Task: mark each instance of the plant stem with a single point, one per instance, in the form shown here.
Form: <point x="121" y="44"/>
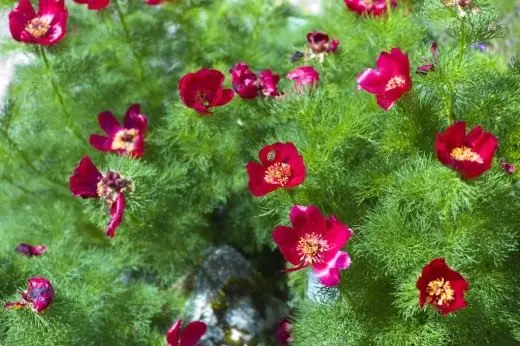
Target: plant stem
<point x="129" y="38"/>
<point x="389" y="8"/>
<point x="462" y="39"/>
<point x="71" y="128"/>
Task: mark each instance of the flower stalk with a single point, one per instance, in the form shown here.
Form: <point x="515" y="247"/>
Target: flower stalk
<point x="138" y="59"/>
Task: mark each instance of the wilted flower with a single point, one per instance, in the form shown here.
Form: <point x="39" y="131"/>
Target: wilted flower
<point x="46" y="28"/>
<point x="391" y="79"/>
<point x="314" y="241"/>
<point x="470" y="154"/>
<point x="509" y="168"/>
<point x="203" y="90"/>
<point x="281" y="166"/>
<point x="320" y="45"/>
<point x="441" y="287"/>
<point x="30" y="250"/>
<point x="424" y="69"/>
<point x="125" y="140"/>
<point x="38" y="295"/>
<point x="188" y="336"/>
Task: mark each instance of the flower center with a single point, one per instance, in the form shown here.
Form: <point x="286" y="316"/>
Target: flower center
<point x="38" y="26"/>
<point x="466" y="154"/>
<point x="278" y="173"/>
<point x="440" y="292"/>
<point x="111" y="184"/>
<point x="201" y="96"/>
<point x="395" y="82"/>
<point x="369" y="2"/>
<point x="311" y="248"/>
<point x="124" y="140"/>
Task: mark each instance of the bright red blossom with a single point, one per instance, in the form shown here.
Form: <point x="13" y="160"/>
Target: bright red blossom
<point x="247" y="84"/>
<point x="269" y="83"/>
<point x="304" y="75"/>
<point x="125" y="140"/>
<point x="391" y="79"/>
<point x="316" y="241"/>
<point x="38" y="295"/>
<point x="368" y="7"/>
<point x="189" y="336"/>
<point x="470" y="154"/>
<point x="281" y="166"/>
<point x="46" y="28"/>
<point x="87" y="182"/>
<point x="94" y="4"/>
<point x="30" y="250"/>
<point x="203" y="90"/>
<point x="441" y="287"/>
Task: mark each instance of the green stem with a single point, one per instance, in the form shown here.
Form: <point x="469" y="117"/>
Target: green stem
<point x="71" y="128"/>
<point x="389" y="8"/>
<point x="462" y="39"/>
<point x="129" y="38"/>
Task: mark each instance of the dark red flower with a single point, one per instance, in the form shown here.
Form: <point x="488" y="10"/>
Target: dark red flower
<point x="391" y="79"/>
<point x="470" y="154"/>
<point x="283" y="332"/>
<point x="244" y="81"/>
<point x="188" y="336"/>
<point x="94" y="4"/>
<point x="47" y="27"/>
<point x="509" y="168"/>
<point x="281" y="166"/>
<point x="441" y="287"/>
<point x="320" y="43"/>
<point x="38" y="295"/>
<point x="30" y="250"/>
<point x="127" y="139"/>
<point x="316" y="241"/>
<point x="203" y="89"/>
<point x="154" y="2"/>
<point x="304" y="75"/>
<point x="269" y="83"/>
<point x="368" y="7"/>
<point x="424" y="69"/>
<point x="87" y="182"/>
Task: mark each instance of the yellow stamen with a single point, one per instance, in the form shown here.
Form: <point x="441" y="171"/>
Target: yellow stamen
<point x="395" y="82"/>
<point x="278" y="173"/>
<point x="440" y="292"/>
<point x="311" y="248"/>
<point x="125" y="140"/>
<point x="39" y="26"/>
<point x="466" y="154"/>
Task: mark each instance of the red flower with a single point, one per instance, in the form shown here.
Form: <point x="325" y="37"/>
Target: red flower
<point x="368" y="7"/>
<point x="316" y="241"/>
<point x="470" y="154"/>
<point x="281" y="166"/>
<point x="269" y="83"/>
<point x="441" y="287"/>
<point x="38" y="295"/>
<point x="203" y="89"/>
<point x="189" y="336"/>
<point x="30" y="250"/>
<point x="304" y="75"/>
<point x="509" y="168"/>
<point x="390" y="81"/>
<point x="244" y="81"/>
<point x="87" y="182"/>
<point x="94" y="4"/>
<point x="283" y="333"/>
<point x="424" y="69"/>
<point x="128" y="139"/>
<point x="154" y="2"/>
<point x="321" y="43"/>
<point x="46" y="28"/>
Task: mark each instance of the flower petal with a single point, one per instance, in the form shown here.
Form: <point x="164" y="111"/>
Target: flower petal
<point x="287" y="240"/>
<point x="173" y="335"/>
<point x="192" y="333"/>
<point x="134" y="119"/>
<point x="116" y="215"/>
<point x="83" y="181"/>
<point x="109" y="123"/>
<point x="100" y="143"/>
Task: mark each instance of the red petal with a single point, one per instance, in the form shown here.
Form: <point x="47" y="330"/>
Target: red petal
<point x="116" y="215"/>
<point x="257" y="184"/>
<point x="287" y="240"/>
<point x="109" y="123"/>
<point x="100" y="143"/>
<point x="51" y="7"/>
<point x="298" y="171"/>
<point x="135" y="120"/>
<point x="372" y="81"/>
<point x="83" y="181"/>
<point x="174" y="334"/>
<point x="192" y="333"/>
<point x="337" y="234"/>
<point x="225" y="97"/>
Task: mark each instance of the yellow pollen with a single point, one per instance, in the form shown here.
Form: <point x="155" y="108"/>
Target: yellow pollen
<point x="311" y="248"/>
<point x="278" y="173"/>
<point x="125" y="140"/>
<point x="39" y="26"/>
<point x="466" y="154"/>
<point x="395" y="82"/>
<point x="368" y="2"/>
<point x="440" y="292"/>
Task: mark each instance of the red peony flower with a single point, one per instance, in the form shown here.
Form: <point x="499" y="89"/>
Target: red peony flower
<point x="470" y="154"/>
<point x="203" y="89"/>
<point x="321" y="43"/>
<point x="269" y="83"/>
<point x="127" y="139"/>
<point x="46" y="28"/>
<point x="94" y="4"/>
<point x="38" y="296"/>
<point x="30" y="250"/>
<point x="87" y="182"/>
<point x="316" y="241"/>
<point x="441" y="287"/>
<point x="368" y="7"/>
<point x="281" y="166"/>
<point x="244" y="81"/>
<point x="304" y="75"/>
<point x="283" y="333"/>
<point x="424" y="69"/>
<point x="189" y="336"/>
<point x="390" y="81"/>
